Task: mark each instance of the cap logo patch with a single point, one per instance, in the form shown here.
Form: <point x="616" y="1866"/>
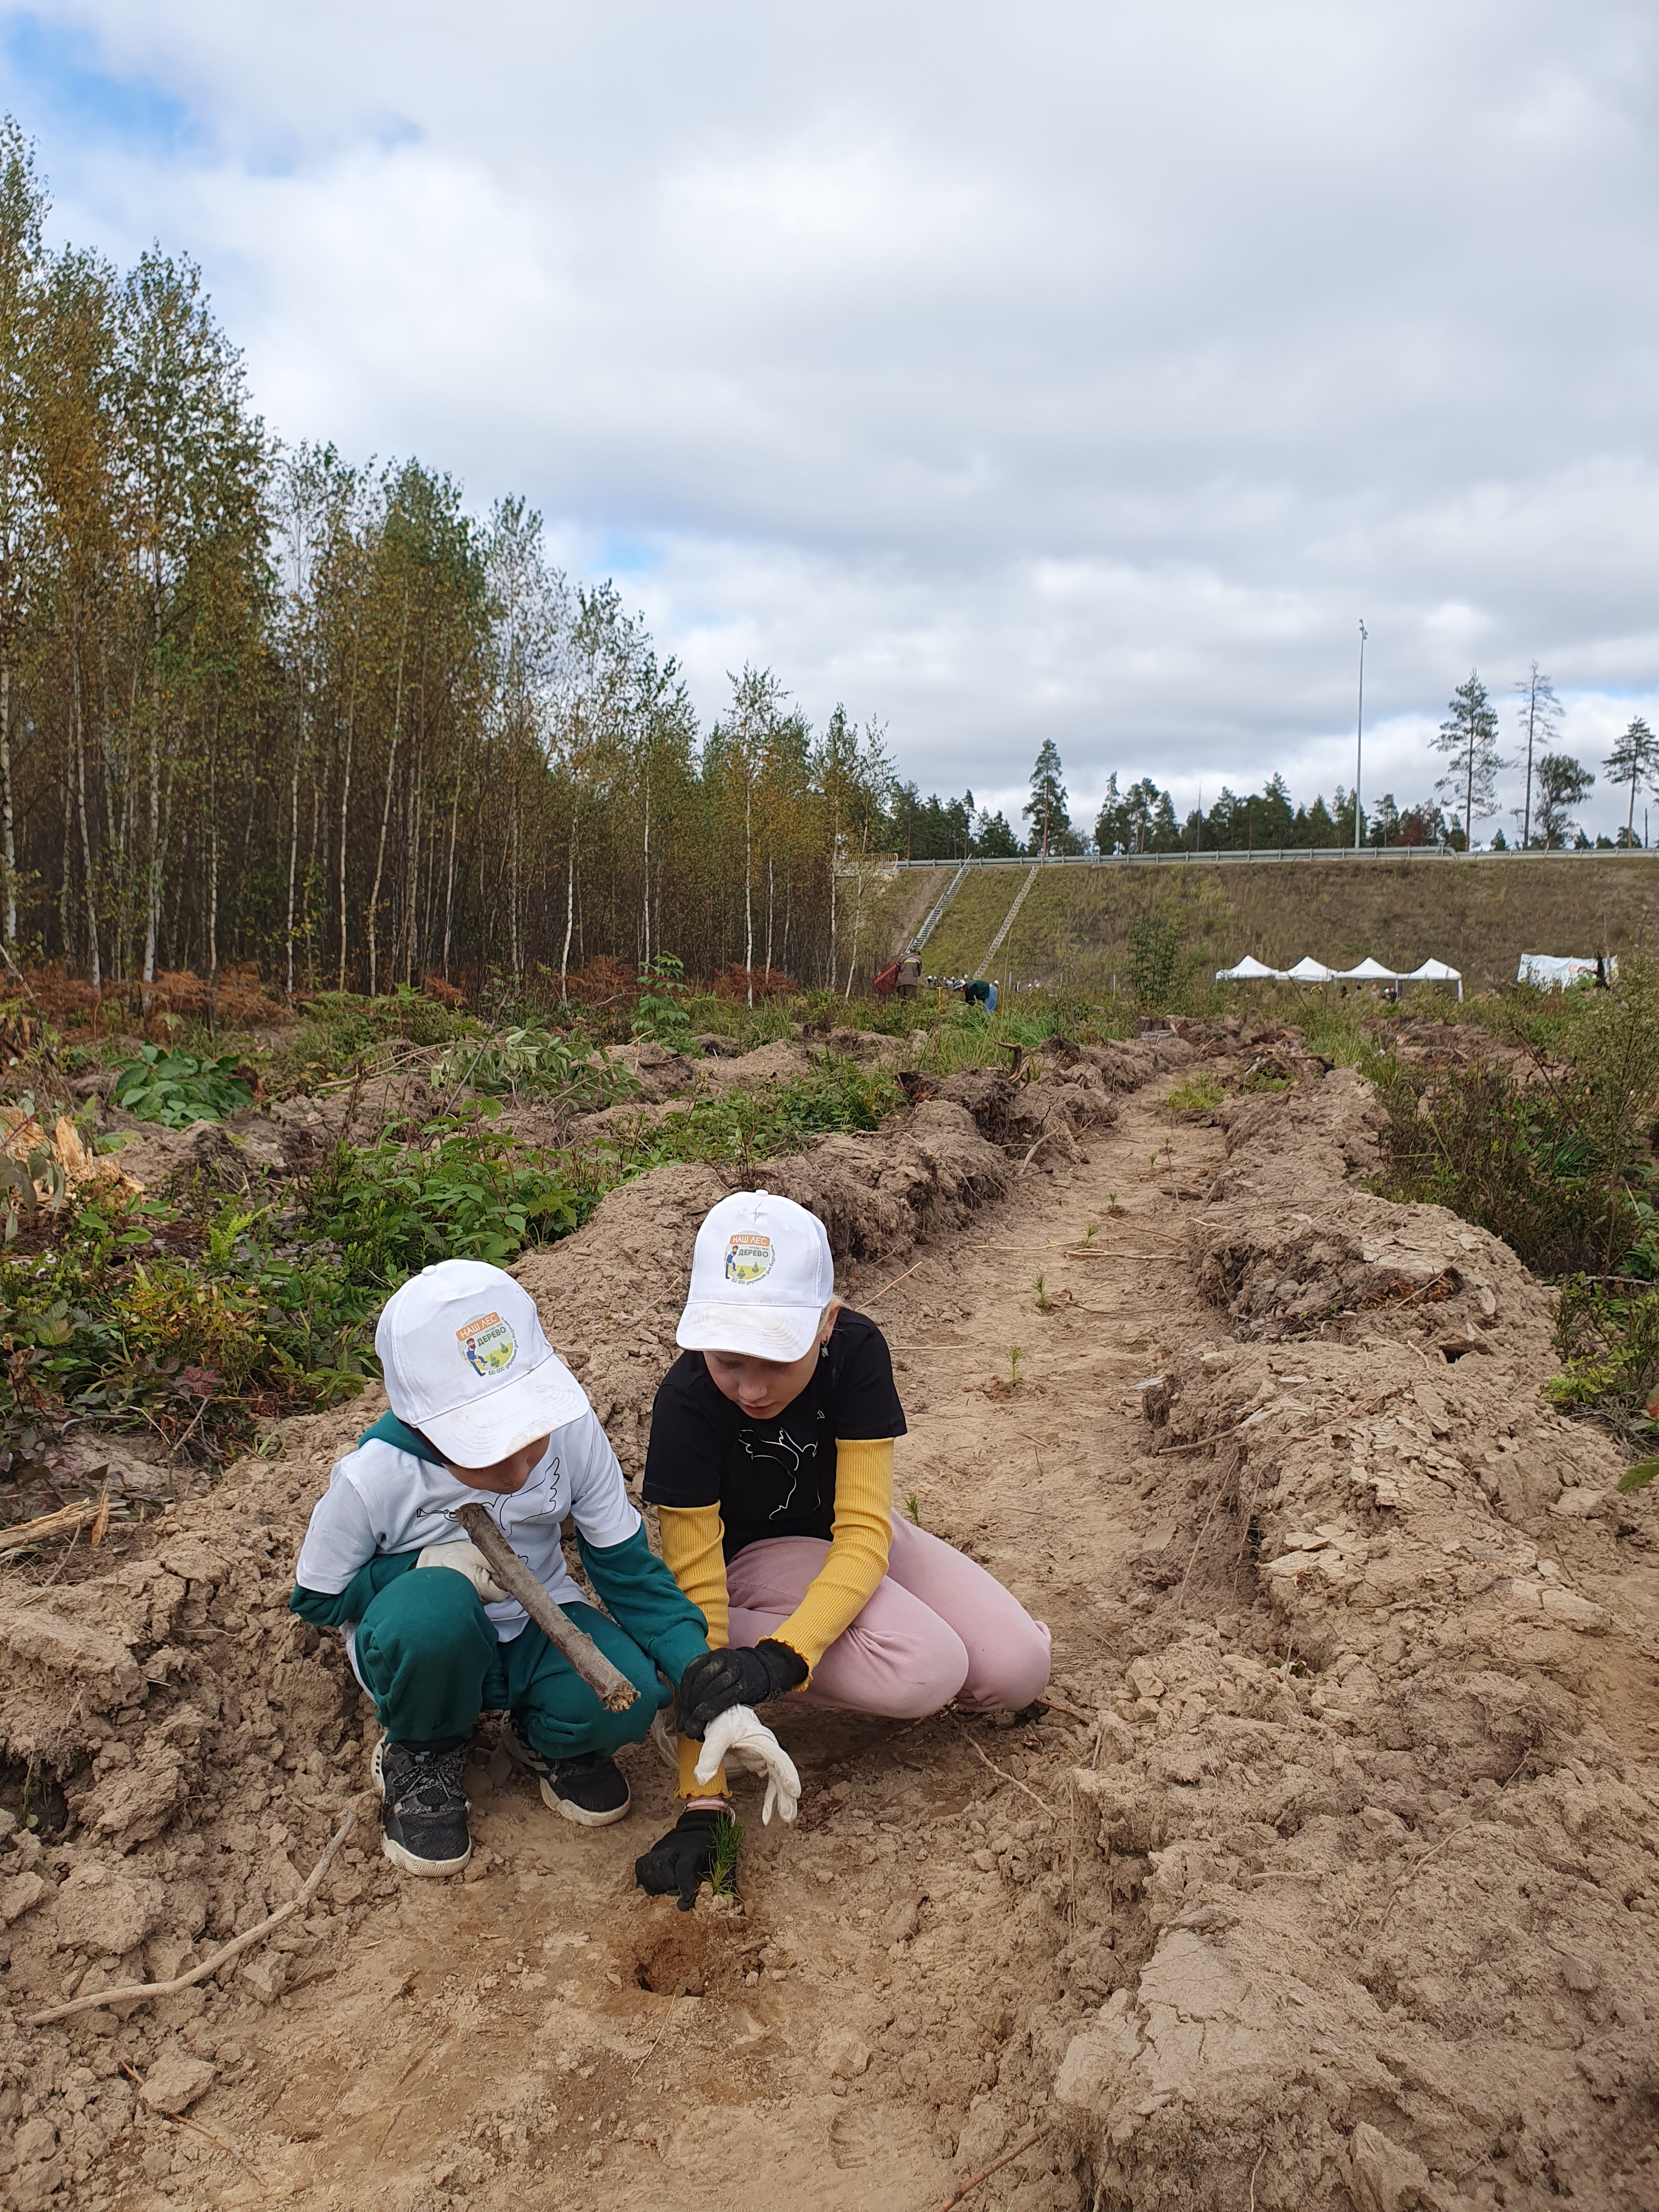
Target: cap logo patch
<point x="488" y="1343"/>
<point x="748" y="1257"/>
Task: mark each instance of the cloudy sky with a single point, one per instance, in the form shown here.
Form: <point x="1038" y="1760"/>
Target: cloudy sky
<point x="1082" y="371"/>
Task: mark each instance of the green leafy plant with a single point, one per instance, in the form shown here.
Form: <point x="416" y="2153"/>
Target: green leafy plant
<point x="538" y="1063"/>
<point x="1044" y="1302"/>
<point x="175" y="1088"/>
<point x="913" y="1509"/>
<point x="661" y="1016"/>
<point x="1016" y="1355"/>
<point x="393" y="1209"/>
<point x="1638" y="1477"/>
<point x="1199" y="1094"/>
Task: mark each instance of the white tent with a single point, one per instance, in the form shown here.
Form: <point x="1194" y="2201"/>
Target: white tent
<point x="1552" y="973"/>
<point x="1248" y="970"/>
<point x="1309" y="971"/>
<point x="1368" y="971"/>
<point x="1435" y="971"/>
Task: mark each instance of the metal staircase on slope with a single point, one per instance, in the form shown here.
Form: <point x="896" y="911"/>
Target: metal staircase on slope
<point x="936" y="913"/>
<point x="1008" y="919"/>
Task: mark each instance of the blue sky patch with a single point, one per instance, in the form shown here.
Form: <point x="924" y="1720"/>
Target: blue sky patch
<point x="54" y="73"/>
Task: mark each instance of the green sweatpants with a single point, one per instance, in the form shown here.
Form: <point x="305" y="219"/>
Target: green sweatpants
<point x="431" y="1661"/>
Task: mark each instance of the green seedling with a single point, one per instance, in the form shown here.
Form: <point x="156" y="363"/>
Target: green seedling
<point x="913" y="1509"/>
<point x="1044" y="1302"/>
<point x="723" y="1867"/>
<point x="1093" y="1228"/>
<point x="1112" y="1205"/>
<point x="1015" y="1353"/>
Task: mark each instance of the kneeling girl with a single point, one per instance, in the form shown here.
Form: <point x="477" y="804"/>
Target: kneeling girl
<point x="771" y="1465"/>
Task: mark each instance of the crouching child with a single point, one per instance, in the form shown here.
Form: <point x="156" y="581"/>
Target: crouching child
<point x="483" y="1411"/>
<point x="771" y="1467"/>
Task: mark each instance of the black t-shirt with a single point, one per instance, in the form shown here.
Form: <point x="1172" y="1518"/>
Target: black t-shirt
<point x="774" y="1478"/>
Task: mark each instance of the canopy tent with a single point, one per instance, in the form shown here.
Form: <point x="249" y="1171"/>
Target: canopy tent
<point x="1368" y="971"/>
<point x="1308" y="970"/>
<point x="1550" y="972"/>
<point x="1436" y="971"/>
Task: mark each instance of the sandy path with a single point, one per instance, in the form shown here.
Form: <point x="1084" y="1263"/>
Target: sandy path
<point x="491" y="2037"/>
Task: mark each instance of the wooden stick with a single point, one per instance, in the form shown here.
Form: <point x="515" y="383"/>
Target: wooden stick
<point x="68" y="1517"/>
<point x="143" y="1991"/>
<point x="608" y="1684"/>
<point x="178" y="2120"/>
<point x="986" y="2171"/>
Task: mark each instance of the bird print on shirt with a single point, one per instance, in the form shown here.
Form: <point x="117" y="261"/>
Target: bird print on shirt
<point x="785" y="1451"/>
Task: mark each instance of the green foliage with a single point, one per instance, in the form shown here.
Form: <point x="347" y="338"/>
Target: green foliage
<point x="393" y="1209"/>
<point x="144" y="1319"/>
<point x="1157" y="966"/>
<point x="537" y="1063"/>
<point x="747" y="1125"/>
<point x="1608" y="1335"/>
<point x="662" y="1017"/>
<point x="1558" y="1165"/>
<point x="175" y="1088"/>
<point x="1638" y="1477"/>
<point x="1199" y="1094"/>
<point x="728" y="1847"/>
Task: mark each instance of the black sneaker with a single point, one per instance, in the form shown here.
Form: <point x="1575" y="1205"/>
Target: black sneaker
<point x="590" y="1790"/>
<point x="424" y="1826"/>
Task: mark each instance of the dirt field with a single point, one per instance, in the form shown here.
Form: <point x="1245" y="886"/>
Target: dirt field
<point x="1326" y="1878"/>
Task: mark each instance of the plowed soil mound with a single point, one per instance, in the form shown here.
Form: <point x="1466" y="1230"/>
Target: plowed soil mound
<point x="1327" y="1876"/>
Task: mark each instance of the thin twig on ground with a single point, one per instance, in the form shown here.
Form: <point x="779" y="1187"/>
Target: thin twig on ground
<point x="178" y="2120"/>
<point x="896" y="1281"/>
<point x="143" y="1992"/>
<point x="60" y="1523"/>
<point x="986" y="2171"/>
<point x="1004" y="1772"/>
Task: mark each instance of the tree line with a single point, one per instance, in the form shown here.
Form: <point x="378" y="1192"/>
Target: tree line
<point x="1142" y="818"/>
<point x="263" y="705"/>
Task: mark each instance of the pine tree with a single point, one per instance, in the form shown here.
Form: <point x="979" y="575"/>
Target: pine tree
<point x="1634" y="760"/>
<point x="1540" y="720"/>
<point x="1046" y="808"/>
<point x="1470" y="736"/>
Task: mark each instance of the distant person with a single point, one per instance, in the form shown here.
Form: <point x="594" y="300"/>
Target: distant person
<point x="979" y="992"/>
<point x="909" y="974"/>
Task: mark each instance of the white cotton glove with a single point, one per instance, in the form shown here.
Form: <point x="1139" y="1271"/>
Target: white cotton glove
<point x="462" y="1556"/>
<point x="740" y="1738"/>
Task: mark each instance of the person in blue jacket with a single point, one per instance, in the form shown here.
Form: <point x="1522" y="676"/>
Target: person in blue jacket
<point x="484" y="1411"/>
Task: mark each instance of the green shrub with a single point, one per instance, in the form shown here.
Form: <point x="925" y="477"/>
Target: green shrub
<point x="662" y="1016"/>
<point x="536" y="1063"/>
<point x="175" y="1088"/>
<point x="393" y="1209"/>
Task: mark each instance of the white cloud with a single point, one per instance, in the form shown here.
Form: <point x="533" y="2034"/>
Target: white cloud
<point x="1077" y="371"/>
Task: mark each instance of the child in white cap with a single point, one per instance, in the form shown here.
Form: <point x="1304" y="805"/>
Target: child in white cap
<point x="771" y="1467"/>
<point x="484" y="1411"/>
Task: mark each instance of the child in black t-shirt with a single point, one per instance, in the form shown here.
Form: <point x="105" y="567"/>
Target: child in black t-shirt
<point x="771" y="1465"/>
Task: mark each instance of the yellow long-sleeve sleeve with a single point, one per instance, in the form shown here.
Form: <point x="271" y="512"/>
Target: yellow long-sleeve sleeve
<point x="860" y="1538"/>
<point x="694" y="1552"/>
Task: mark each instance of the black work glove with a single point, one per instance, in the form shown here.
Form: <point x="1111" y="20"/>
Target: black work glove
<point x="745" y="1674"/>
<point x="681" y="1859"/>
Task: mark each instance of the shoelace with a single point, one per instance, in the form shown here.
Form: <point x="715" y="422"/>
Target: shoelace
<point x="433" y="1785"/>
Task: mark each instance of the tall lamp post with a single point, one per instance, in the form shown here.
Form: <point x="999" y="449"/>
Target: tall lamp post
<point x="1360" y="736"/>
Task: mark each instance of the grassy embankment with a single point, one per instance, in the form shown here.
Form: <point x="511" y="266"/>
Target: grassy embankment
<point x="1480" y="914"/>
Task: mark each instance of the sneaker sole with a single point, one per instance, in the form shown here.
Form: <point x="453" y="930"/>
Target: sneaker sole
<point x="431" y="1869"/>
<point x="570" y="1811"/>
<point x="520" y="1753"/>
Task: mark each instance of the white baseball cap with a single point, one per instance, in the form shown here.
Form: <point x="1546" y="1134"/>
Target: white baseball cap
<point x="761" y="1278"/>
<point x="466" y="1363"/>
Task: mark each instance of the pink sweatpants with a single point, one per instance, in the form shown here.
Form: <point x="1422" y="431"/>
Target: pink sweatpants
<point x="937" y="1628"/>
